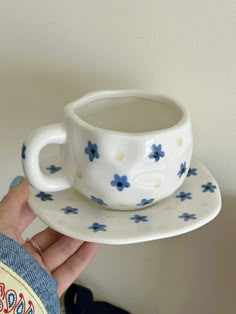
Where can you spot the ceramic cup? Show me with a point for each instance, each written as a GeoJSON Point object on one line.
{"type": "Point", "coordinates": [123, 149]}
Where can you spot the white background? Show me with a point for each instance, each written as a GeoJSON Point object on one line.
{"type": "Point", "coordinates": [52, 52]}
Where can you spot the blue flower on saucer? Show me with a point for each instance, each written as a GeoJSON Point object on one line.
{"type": "Point", "coordinates": [53, 169]}
{"type": "Point", "coordinates": [120, 182]}
{"type": "Point", "coordinates": [145, 201]}
{"type": "Point", "coordinates": [156, 153]}
{"type": "Point", "coordinates": [98, 201]}
{"type": "Point", "coordinates": [44, 196]}
{"type": "Point", "coordinates": [98, 227]}
{"type": "Point", "coordinates": [70, 210]}
{"type": "Point", "coordinates": [182, 169]}
{"type": "Point", "coordinates": [184, 196]}
{"type": "Point", "coordinates": [92, 151]}
{"type": "Point", "coordinates": [192, 172]}
{"type": "Point", "coordinates": [187, 217]}
{"type": "Point", "coordinates": [23, 151]}
{"type": "Point", "coordinates": [138, 218]}
{"type": "Point", "coordinates": [209, 187]}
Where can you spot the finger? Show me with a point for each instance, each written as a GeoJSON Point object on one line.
{"type": "Point", "coordinates": [60, 251]}
{"type": "Point", "coordinates": [46, 238]}
{"type": "Point", "coordinates": [14, 208]}
{"type": "Point", "coordinates": [71, 269]}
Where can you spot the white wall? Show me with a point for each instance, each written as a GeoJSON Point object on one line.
{"type": "Point", "coordinates": [51, 52]}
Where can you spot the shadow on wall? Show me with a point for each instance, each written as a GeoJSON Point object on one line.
{"type": "Point", "coordinates": [59, 87]}
{"type": "Point", "coordinates": [199, 268]}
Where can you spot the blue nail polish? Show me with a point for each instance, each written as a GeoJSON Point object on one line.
{"type": "Point", "coordinates": [17, 181]}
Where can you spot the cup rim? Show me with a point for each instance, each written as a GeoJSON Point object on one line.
{"type": "Point", "coordinates": [103, 94]}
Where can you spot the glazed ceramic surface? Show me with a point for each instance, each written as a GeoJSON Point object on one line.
{"type": "Point", "coordinates": [126, 149]}
{"type": "Point", "coordinates": [194, 204]}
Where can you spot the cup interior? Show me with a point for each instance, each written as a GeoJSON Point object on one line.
{"type": "Point", "coordinates": [130, 114]}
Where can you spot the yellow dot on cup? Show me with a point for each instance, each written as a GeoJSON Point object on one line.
{"type": "Point", "coordinates": [204, 204]}
{"type": "Point", "coordinates": [180, 141]}
{"type": "Point", "coordinates": [157, 184]}
{"type": "Point", "coordinates": [119, 156]}
{"type": "Point", "coordinates": [78, 173]}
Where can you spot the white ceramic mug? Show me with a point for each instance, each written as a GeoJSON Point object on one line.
{"type": "Point", "coordinates": [123, 149]}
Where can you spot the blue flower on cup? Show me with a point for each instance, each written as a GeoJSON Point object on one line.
{"type": "Point", "coordinates": [187, 217]}
{"type": "Point", "coordinates": [70, 210]}
{"type": "Point", "coordinates": [98, 201]}
{"type": "Point", "coordinates": [192, 172]}
{"type": "Point", "coordinates": [120, 182]}
{"type": "Point", "coordinates": [182, 169]}
{"type": "Point", "coordinates": [209, 187]}
{"type": "Point", "coordinates": [138, 218]}
{"type": "Point", "coordinates": [53, 169]}
{"type": "Point", "coordinates": [98, 227]}
{"type": "Point", "coordinates": [184, 196]}
{"type": "Point", "coordinates": [156, 153]}
{"type": "Point", "coordinates": [23, 151]}
{"type": "Point", "coordinates": [44, 196]}
{"type": "Point", "coordinates": [92, 151]}
{"type": "Point", "coordinates": [145, 201]}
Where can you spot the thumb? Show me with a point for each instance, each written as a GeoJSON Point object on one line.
{"type": "Point", "coordinates": [14, 208]}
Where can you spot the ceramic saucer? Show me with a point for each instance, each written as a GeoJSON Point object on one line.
{"type": "Point", "coordinates": [193, 205]}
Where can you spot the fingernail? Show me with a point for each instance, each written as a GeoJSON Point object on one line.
{"type": "Point", "coordinates": [17, 181]}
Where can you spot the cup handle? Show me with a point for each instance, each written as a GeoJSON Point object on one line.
{"type": "Point", "coordinates": [50, 134]}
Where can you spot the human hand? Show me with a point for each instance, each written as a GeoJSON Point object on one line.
{"type": "Point", "coordinates": [62, 257]}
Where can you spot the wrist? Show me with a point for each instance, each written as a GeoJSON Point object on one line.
{"type": "Point", "coordinates": [11, 233]}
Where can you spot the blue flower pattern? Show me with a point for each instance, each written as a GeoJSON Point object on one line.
{"type": "Point", "coordinates": [120, 182]}
{"type": "Point", "coordinates": [209, 187]}
{"type": "Point", "coordinates": [98, 227]}
{"type": "Point", "coordinates": [184, 196]}
{"type": "Point", "coordinates": [138, 218]}
{"type": "Point", "coordinates": [182, 169]}
{"type": "Point", "coordinates": [98, 201]}
{"type": "Point", "coordinates": [145, 201]}
{"type": "Point", "coordinates": [70, 210]}
{"type": "Point", "coordinates": [92, 151]}
{"type": "Point", "coordinates": [156, 152]}
{"type": "Point", "coordinates": [23, 152]}
{"type": "Point", "coordinates": [192, 172]}
{"type": "Point", "coordinates": [187, 217]}
{"type": "Point", "coordinates": [44, 196]}
{"type": "Point", "coordinates": [53, 169]}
